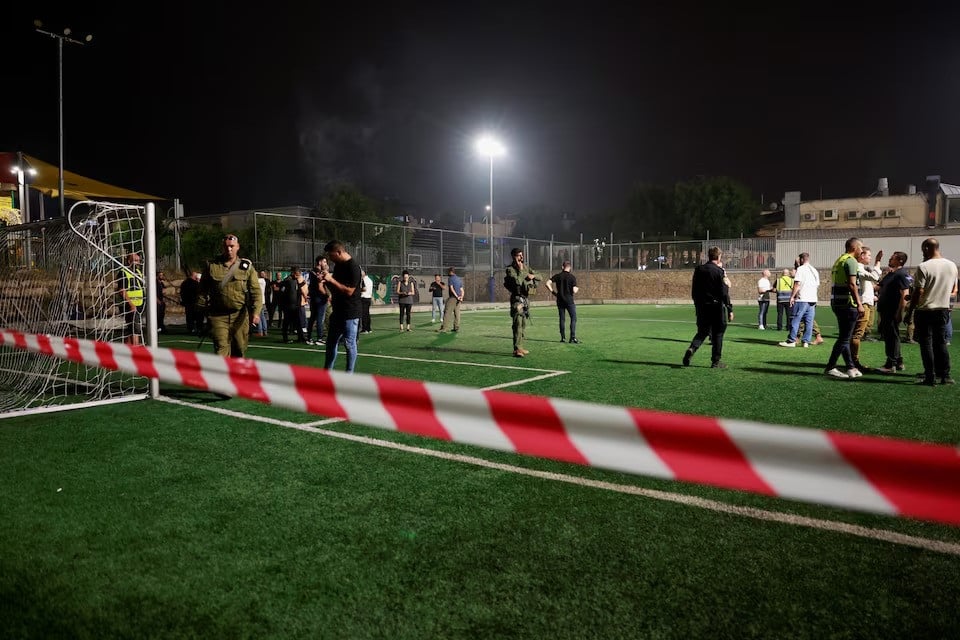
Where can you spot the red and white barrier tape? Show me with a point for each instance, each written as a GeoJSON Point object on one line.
{"type": "Point", "coordinates": [878, 475]}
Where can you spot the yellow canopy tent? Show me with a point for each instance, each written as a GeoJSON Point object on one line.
{"type": "Point", "coordinates": [77, 187]}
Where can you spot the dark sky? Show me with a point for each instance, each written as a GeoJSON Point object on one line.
{"type": "Point", "coordinates": [228, 108]}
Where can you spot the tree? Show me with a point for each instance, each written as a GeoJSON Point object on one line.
{"type": "Point", "coordinates": [719, 205]}
{"type": "Point", "coordinates": [198, 244]}
{"type": "Point", "coordinates": [649, 210]}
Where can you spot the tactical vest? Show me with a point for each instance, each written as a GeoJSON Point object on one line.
{"type": "Point", "coordinates": [840, 292]}
{"type": "Point", "coordinates": [131, 284]}
{"type": "Point", "coordinates": [784, 288]}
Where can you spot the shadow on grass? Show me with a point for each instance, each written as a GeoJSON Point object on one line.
{"type": "Point", "coordinates": [197, 396]}
{"type": "Point", "coordinates": [765, 340]}
{"type": "Point", "coordinates": [815, 369]}
{"type": "Point", "coordinates": [680, 340]}
{"type": "Point", "coordinates": [648, 363]}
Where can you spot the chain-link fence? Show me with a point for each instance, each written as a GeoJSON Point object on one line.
{"type": "Point", "coordinates": [277, 241]}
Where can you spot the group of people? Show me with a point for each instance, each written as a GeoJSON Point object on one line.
{"type": "Point", "coordinates": [231, 296]}
{"type": "Point", "coordinates": [859, 288]}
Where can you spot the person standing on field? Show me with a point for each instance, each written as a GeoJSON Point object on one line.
{"type": "Point", "coordinates": [344, 287]}
{"type": "Point", "coordinates": [451, 311]}
{"type": "Point", "coordinates": [563, 286]}
{"type": "Point", "coordinates": [711, 300]}
{"type": "Point", "coordinates": [934, 283]}
{"type": "Point", "coordinates": [847, 306]}
{"type": "Point", "coordinates": [233, 301]}
{"type": "Point", "coordinates": [764, 289]}
{"type": "Point", "coordinates": [436, 294]}
{"type": "Point", "coordinates": [520, 280]}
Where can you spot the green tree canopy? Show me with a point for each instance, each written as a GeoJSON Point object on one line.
{"type": "Point", "coordinates": [719, 205]}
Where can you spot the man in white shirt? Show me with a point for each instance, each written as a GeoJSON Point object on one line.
{"type": "Point", "coordinates": [262, 327]}
{"type": "Point", "coordinates": [366, 299]}
{"type": "Point", "coordinates": [803, 302]}
{"type": "Point", "coordinates": [933, 284]}
{"type": "Point", "coordinates": [764, 288]}
{"type": "Point", "coordinates": [866, 276]}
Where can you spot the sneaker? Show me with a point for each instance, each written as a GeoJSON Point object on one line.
{"type": "Point", "coordinates": [853, 372]}
{"type": "Point", "coordinates": [886, 370]}
{"type": "Point", "coordinates": [762, 328]}
{"type": "Point", "coordinates": [562, 339]}
{"type": "Point", "coordinates": [900, 367]}
{"type": "Point", "coordinates": [787, 344]}
{"type": "Point", "coordinates": [321, 341]}
{"type": "Point", "coordinates": [927, 382]}
{"type": "Point", "coordinates": [686, 358]}
{"type": "Point", "coordinates": [806, 345]}
{"type": "Point", "coordinates": [947, 381]}
{"type": "Point", "coordinates": [718, 365]}
{"type": "Point", "coordinates": [310, 342]}
{"type": "Point", "coordinates": [574, 341]}
{"type": "Point", "coordinates": [836, 373]}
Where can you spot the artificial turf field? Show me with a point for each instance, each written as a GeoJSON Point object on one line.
{"type": "Point", "coordinates": [195, 517]}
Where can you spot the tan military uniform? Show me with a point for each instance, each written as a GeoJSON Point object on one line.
{"type": "Point", "coordinates": [232, 297]}
{"type": "Point", "coordinates": [520, 288]}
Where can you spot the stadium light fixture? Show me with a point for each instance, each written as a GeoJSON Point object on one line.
{"type": "Point", "coordinates": [491, 148]}
{"type": "Point", "coordinates": [22, 169]}
{"type": "Point", "coordinates": [61, 38]}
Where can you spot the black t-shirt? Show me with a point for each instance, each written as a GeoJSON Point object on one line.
{"type": "Point", "coordinates": [348, 274]}
{"type": "Point", "coordinates": [313, 288]}
{"type": "Point", "coordinates": [708, 286]}
{"type": "Point", "coordinates": [563, 284]}
{"type": "Point", "coordinates": [891, 290]}
{"type": "Point", "coordinates": [437, 288]}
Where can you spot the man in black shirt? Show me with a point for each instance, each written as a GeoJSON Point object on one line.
{"type": "Point", "coordinates": [343, 286]}
{"type": "Point", "coordinates": [563, 286]}
{"type": "Point", "coordinates": [711, 298]}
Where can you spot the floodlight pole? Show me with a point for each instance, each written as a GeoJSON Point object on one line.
{"type": "Point", "coordinates": [65, 36]}
{"type": "Point", "coordinates": [490, 147]}
{"type": "Point", "coordinates": [490, 225]}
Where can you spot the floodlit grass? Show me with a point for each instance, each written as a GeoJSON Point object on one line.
{"type": "Point", "coordinates": [157, 519]}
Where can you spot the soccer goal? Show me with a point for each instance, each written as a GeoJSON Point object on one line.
{"type": "Point", "coordinates": [63, 277]}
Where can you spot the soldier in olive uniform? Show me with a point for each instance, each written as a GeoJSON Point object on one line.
{"type": "Point", "coordinates": [231, 294]}
{"type": "Point", "coordinates": [520, 281]}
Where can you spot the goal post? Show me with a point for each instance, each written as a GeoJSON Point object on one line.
{"type": "Point", "coordinates": [62, 277]}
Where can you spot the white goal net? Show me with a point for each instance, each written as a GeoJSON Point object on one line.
{"type": "Point", "coordinates": [63, 278]}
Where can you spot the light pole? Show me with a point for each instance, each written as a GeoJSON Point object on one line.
{"type": "Point", "coordinates": [490, 147]}
{"type": "Point", "coordinates": [60, 38]}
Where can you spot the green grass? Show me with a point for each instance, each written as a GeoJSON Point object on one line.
{"type": "Point", "coordinates": [171, 521]}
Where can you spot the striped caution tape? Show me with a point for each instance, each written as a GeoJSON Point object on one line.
{"type": "Point", "coordinates": [864, 473]}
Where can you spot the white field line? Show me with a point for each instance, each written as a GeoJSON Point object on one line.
{"type": "Point", "coordinates": [404, 358]}
{"type": "Point", "coordinates": [882, 535]}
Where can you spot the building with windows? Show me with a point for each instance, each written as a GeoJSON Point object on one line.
{"type": "Point", "coordinates": [937, 206]}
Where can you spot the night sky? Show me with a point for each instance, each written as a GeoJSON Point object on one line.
{"type": "Point", "coordinates": [232, 109]}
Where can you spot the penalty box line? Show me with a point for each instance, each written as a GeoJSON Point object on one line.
{"type": "Point", "coordinates": [763, 515]}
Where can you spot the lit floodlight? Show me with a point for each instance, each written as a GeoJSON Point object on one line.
{"type": "Point", "coordinates": [490, 146]}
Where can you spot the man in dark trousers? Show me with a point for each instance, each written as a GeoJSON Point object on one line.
{"type": "Point", "coordinates": [564, 286]}
{"type": "Point", "coordinates": [344, 287]}
{"type": "Point", "coordinates": [711, 298]}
